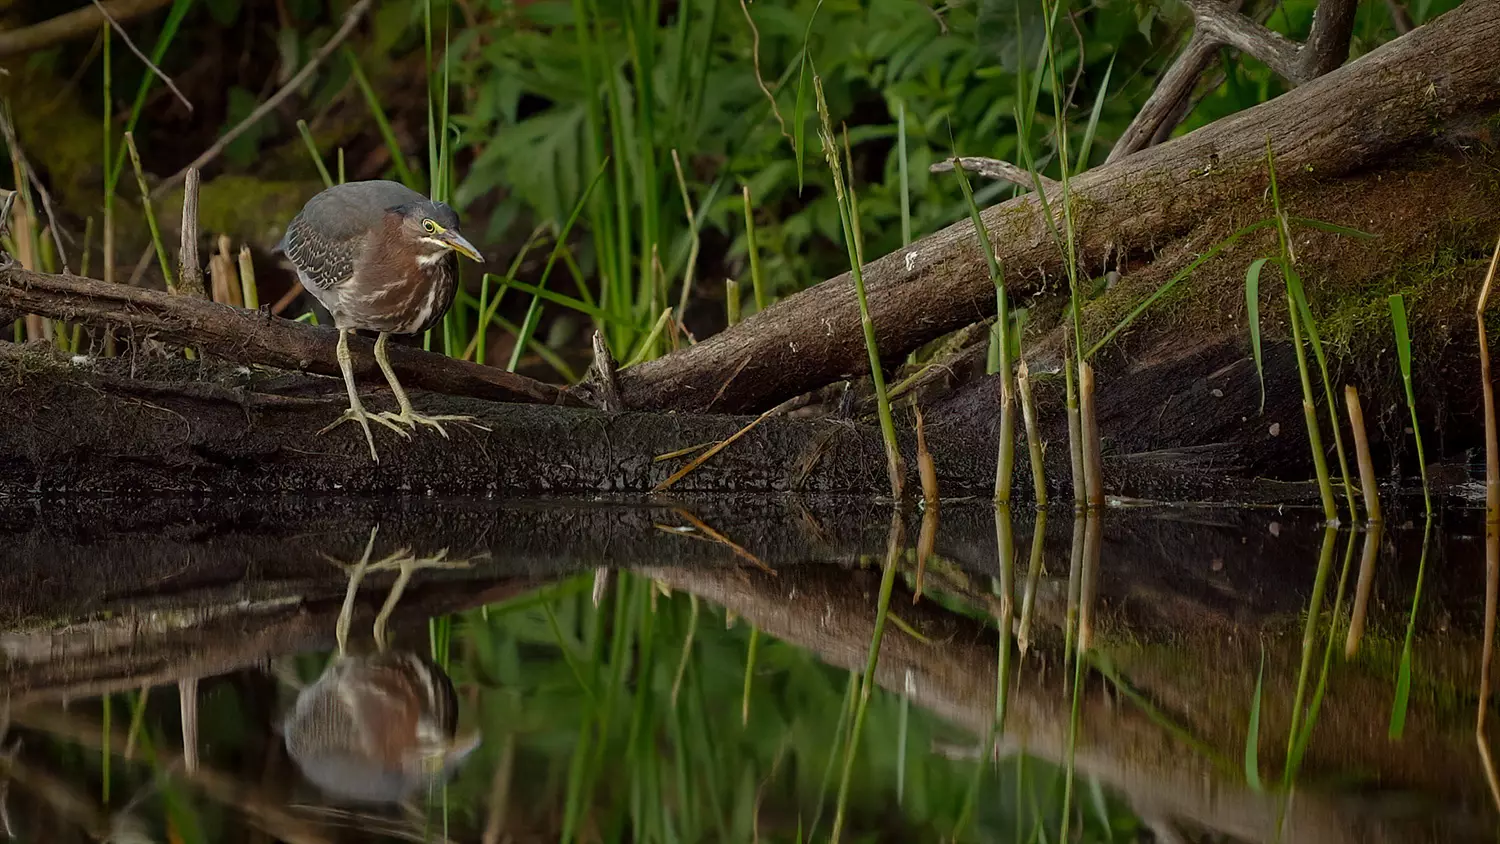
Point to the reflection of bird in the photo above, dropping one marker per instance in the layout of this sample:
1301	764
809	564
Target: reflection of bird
376	728
379	256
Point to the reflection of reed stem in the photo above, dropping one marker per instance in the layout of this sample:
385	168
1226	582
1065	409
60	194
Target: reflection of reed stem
1364	587
1033	575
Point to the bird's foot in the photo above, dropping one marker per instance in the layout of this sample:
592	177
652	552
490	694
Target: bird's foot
412	419
363	418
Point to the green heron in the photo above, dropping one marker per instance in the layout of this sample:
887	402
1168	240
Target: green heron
380	257
375	728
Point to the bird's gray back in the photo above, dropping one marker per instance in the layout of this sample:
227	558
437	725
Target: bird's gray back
326	237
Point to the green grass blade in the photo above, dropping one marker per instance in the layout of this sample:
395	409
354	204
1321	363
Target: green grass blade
1332	227
312	149
799	114
1403	677
398	159
1397	306
534	312
901	163
1093	125
1252	735
1167	285
1252	316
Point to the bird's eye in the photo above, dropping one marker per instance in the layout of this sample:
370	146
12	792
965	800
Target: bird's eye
429	226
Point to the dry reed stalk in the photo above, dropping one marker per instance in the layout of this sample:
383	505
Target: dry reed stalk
1481	721
704	457
1362	454
187	699
249	293
1491	450
1033	437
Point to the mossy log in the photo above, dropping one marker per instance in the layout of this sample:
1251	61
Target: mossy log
1414	93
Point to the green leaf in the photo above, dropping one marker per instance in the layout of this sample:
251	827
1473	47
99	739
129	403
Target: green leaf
1088	132
1397	304
1252	735
1252	314
1332	227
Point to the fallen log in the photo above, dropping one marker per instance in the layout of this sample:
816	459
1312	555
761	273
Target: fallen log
114	425
1400	97
254	337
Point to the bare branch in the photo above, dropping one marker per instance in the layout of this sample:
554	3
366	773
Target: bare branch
1171	93
74	24
352	17
166	80
1231	28
1400	18
994	168
1328	43
1218	24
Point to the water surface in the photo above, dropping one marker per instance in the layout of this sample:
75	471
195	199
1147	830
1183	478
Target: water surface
711	692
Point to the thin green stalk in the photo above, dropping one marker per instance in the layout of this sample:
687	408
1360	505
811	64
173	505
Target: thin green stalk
534	311
1310	417
1403	355
156	241
847	214
1309	640
312	149
1403	674
901	166
751	651
895	545
731	301
756	282
1006	449
398	158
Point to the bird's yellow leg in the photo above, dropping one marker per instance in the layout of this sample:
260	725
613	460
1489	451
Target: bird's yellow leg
408	415
407	566
356	409
356	574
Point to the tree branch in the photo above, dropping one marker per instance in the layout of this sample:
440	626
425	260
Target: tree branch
253	337
74	24
1219	23
994	168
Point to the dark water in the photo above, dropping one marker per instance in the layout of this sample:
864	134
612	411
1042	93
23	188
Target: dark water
712	692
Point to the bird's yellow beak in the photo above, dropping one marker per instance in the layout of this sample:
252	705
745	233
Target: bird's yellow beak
461	245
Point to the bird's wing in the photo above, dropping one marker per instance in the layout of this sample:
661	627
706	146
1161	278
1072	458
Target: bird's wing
321	260
344	216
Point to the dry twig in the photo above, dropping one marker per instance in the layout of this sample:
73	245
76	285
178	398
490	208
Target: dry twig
352	17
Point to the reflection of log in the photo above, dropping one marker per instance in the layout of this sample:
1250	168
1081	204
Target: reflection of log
1209	691
1398	97
116	594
